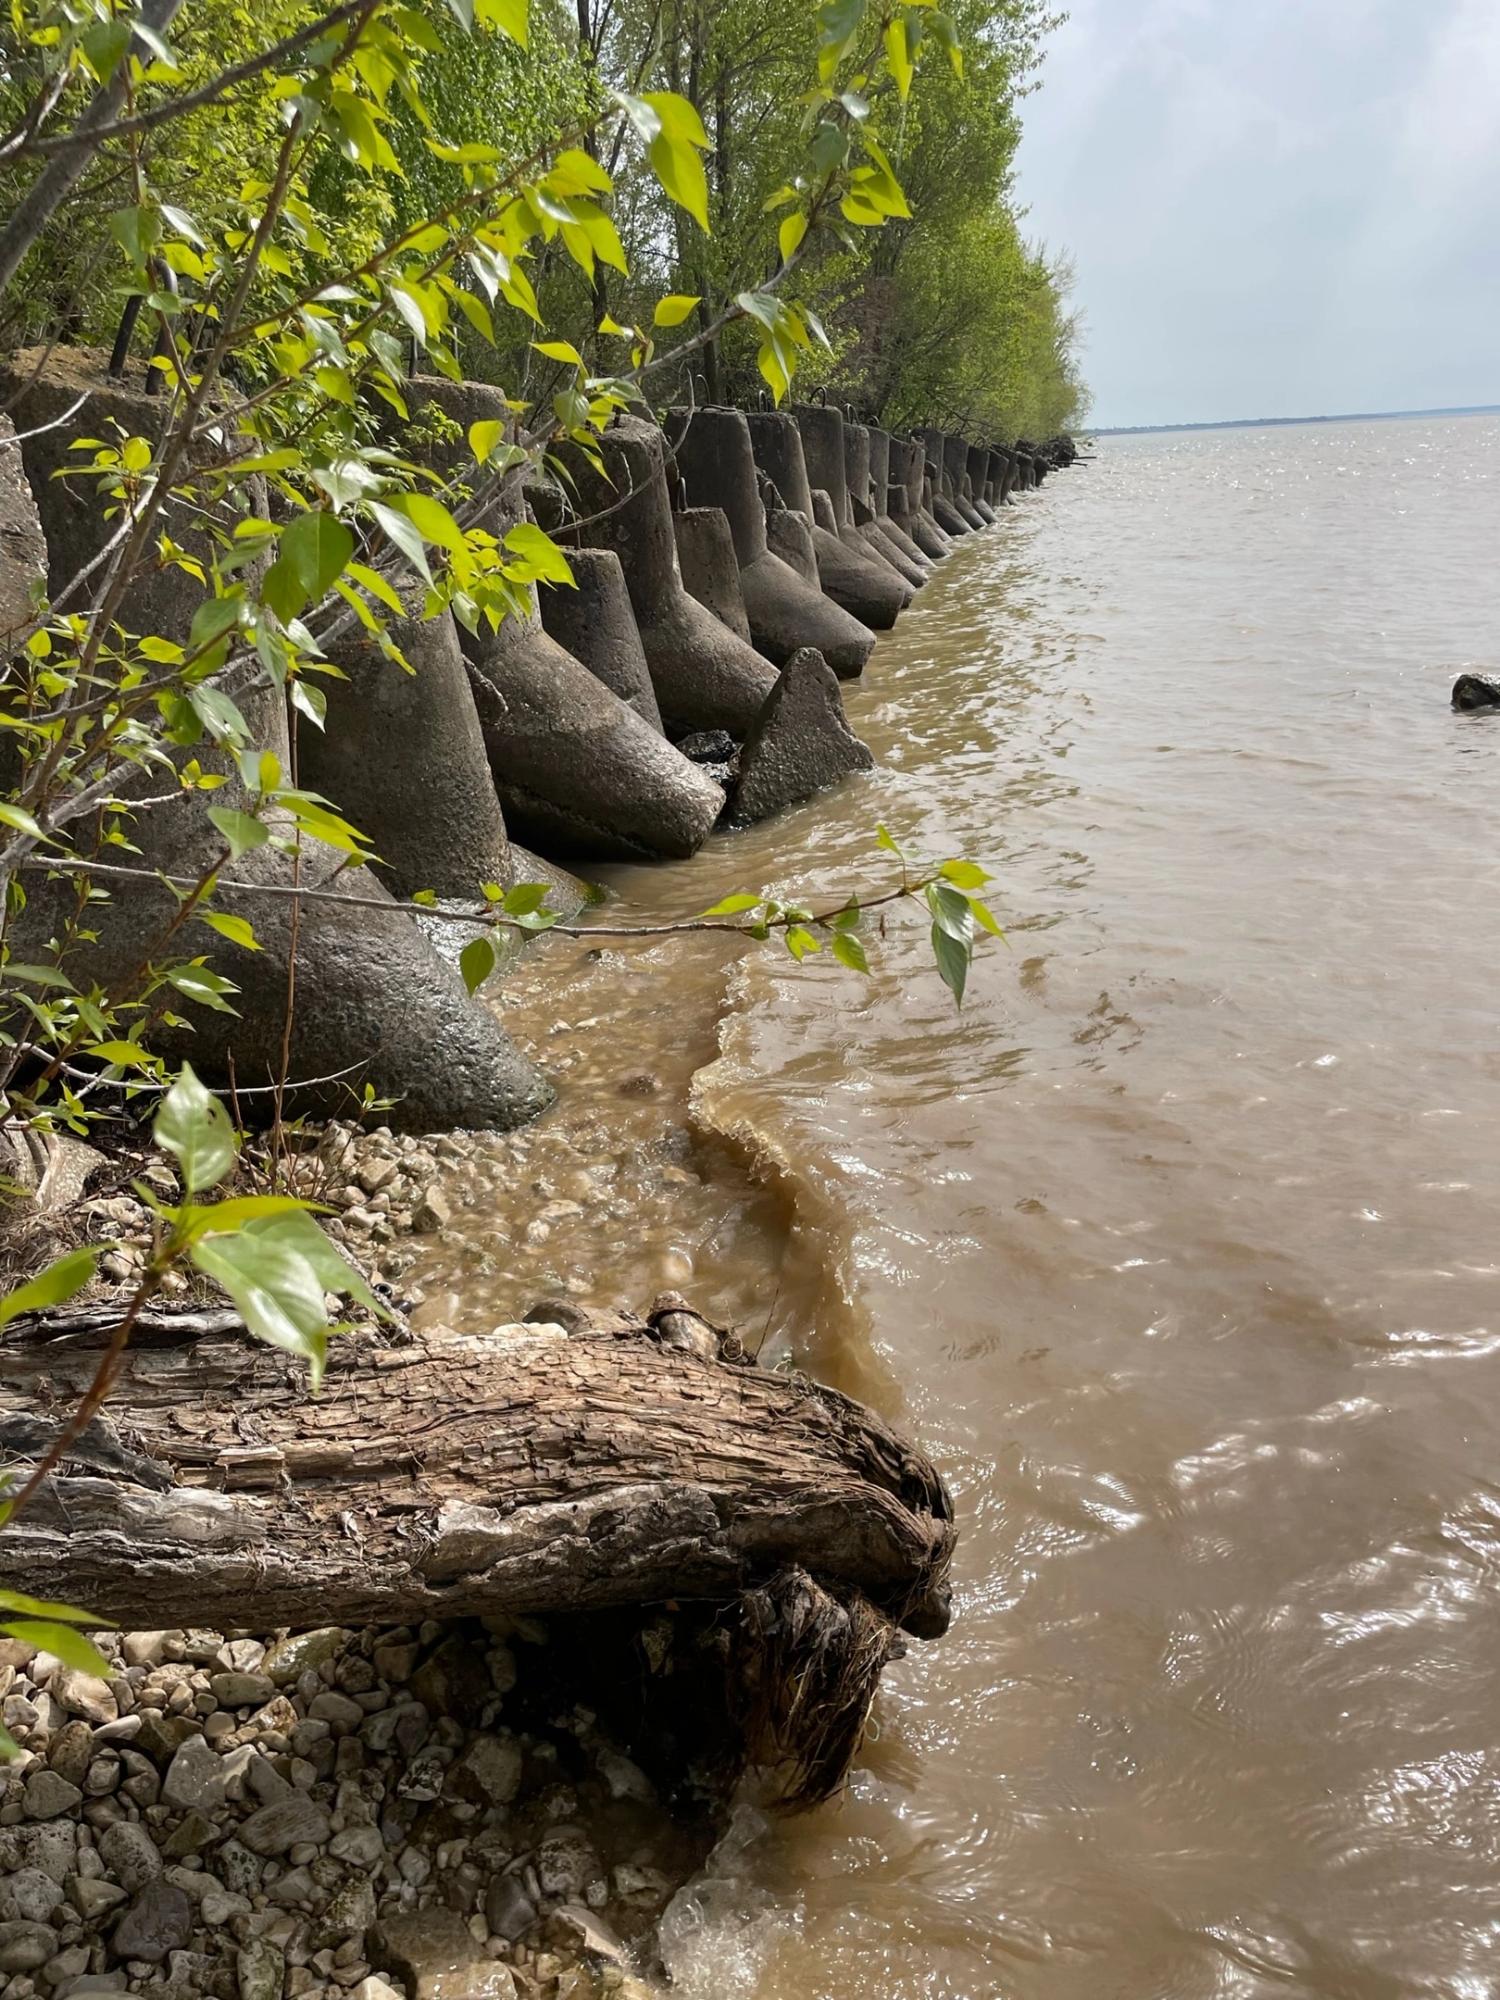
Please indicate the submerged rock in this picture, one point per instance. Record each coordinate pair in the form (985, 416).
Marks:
(1471, 691)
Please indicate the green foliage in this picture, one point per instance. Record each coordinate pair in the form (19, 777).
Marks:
(299, 196)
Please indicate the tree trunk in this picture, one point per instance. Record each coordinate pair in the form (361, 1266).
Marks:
(442, 1474)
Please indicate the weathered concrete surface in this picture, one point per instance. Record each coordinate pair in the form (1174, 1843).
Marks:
(890, 495)
(785, 612)
(580, 774)
(791, 537)
(402, 756)
(909, 498)
(594, 622)
(858, 579)
(705, 555)
(705, 677)
(801, 742)
(38, 390)
(978, 477)
(374, 1003)
(956, 480)
(861, 487)
(938, 494)
(23, 548)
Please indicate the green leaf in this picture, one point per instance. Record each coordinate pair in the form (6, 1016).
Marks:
(848, 950)
(127, 1055)
(61, 1280)
(208, 988)
(71, 1647)
(950, 909)
(22, 821)
(986, 917)
(509, 16)
(312, 554)
(524, 898)
(789, 236)
(237, 929)
(239, 829)
(679, 169)
(275, 1288)
(194, 1127)
(801, 942)
(537, 550)
(430, 518)
(22, 1606)
(965, 874)
(674, 308)
(218, 1218)
(404, 535)
(485, 436)
(476, 962)
(731, 906)
(883, 839)
(899, 57)
(559, 350)
(952, 961)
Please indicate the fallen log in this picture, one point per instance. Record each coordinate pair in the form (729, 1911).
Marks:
(439, 1475)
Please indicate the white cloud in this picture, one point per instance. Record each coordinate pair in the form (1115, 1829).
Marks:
(1275, 208)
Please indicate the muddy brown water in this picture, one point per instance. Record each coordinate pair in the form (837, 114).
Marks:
(1178, 1246)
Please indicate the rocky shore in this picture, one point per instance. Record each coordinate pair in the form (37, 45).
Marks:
(490, 1805)
(381, 1812)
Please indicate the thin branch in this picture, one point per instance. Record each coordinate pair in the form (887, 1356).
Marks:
(178, 107)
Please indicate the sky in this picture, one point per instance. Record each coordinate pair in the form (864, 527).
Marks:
(1274, 207)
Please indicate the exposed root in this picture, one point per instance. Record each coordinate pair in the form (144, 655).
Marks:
(804, 1666)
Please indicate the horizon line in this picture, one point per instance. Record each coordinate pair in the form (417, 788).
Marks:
(1261, 423)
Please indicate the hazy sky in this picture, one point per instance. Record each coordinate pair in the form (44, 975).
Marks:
(1276, 207)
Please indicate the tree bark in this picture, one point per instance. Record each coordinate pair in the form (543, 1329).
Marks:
(444, 1474)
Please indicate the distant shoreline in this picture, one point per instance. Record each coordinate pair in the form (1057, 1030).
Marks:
(1268, 423)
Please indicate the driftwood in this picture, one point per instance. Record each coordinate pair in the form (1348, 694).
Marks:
(529, 1469)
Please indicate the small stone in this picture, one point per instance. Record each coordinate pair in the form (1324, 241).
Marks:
(195, 1778)
(194, 1832)
(52, 1847)
(130, 1855)
(360, 1846)
(352, 1907)
(238, 1869)
(434, 1953)
(292, 1888)
(158, 1921)
(280, 1825)
(25, 1946)
(239, 1690)
(626, 1779)
(579, 1931)
(66, 1966)
(28, 1894)
(375, 1174)
(85, 1695)
(259, 1969)
(219, 1906)
(101, 1777)
(434, 1213)
(71, 1751)
(339, 1711)
(294, 1655)
(92, 1898)
(566, 1863)
(508, 1909)
(494, 1763)
(375, 1988)
(47, 1795)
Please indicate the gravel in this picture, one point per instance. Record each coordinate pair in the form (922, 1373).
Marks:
(388, 1814)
